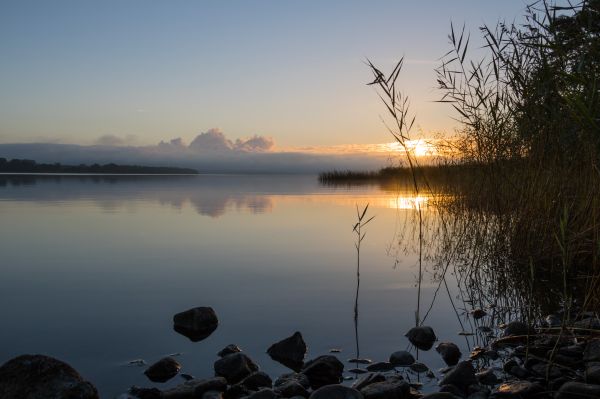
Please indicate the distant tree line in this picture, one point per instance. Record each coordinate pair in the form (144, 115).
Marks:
(30, 166)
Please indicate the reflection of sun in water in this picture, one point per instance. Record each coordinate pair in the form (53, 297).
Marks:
(419, 148)
(407, 202)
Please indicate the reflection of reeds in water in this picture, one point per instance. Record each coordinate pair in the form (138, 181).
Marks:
(358, 229)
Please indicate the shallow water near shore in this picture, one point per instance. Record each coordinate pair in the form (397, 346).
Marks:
(94, 268)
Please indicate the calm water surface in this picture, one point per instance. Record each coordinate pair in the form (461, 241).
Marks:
(93, 269)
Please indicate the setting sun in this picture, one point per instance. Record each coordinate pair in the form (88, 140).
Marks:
(419, 148)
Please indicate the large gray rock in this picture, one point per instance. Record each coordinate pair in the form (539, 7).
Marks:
(449, 352)
(289, 351)
(163, 370)
(392, 388)
(42, 377)
(422, 337)
(323, 370)
(235, 367)
(402, 358)
(197, 323)
(195, 388)
(461, 376)
(336, 392)
(578, 390)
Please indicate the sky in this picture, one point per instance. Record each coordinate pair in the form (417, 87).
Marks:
(132, 72)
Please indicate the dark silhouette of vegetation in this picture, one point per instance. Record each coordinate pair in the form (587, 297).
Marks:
(29, 166)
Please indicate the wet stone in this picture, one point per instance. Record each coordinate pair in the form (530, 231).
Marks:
(422, 337)
(461, 376)
(289, 351)
(291, 388)
(390, 388)
(195, 388)
(367, 380)
(145, 393)
(402, 358)
(516, 328)
(518, 389)
(235, 367)
(263, 394)
(478, 313)
(578, 390)
(419, 367)
(592, 351)
(163, 370)
(228, 350)
(292, 377)
(449, 352)
(257, 380)
(197, 323)
(323, 370)
(487, 377)
(592, 373)
(42, 377)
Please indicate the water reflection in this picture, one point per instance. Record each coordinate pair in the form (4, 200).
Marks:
(212, 196)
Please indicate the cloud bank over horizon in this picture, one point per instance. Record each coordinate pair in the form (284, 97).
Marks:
(208, 152)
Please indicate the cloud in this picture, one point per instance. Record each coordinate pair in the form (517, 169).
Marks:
(212, 140)
(254, 144)
(113, 140)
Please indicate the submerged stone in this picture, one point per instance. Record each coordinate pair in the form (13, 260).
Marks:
(402, 358)
(163, 370)
(449, 352)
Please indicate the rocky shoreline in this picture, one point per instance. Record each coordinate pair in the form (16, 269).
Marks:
(547, 361)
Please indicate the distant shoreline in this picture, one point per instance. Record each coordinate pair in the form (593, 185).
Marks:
(27, 166)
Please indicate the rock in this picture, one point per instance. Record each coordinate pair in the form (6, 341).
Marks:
(592, 373)
(336, 392)
(367, 380)
(478, 313)
(257, 380)
(449, 352)
(461, 376)
(380, 366)
(291, 388)
(518, 389)
(236, 392)
(323, 370)
(42, 377)
(592, 351)
(516, 328)
(392, 388)
(419, 367)
(487, 377)
(295, 377)
(451, 389)
(228, 350)
(422, 337)
(197, 323)
(186, 377)
(546, 371)
(402, 358)
(212, 395)
(145, 393)
(235, 367)
(578, 390)
(552, 320)
(163, 370)
(263, 394)
(290, 351)
(195, 388)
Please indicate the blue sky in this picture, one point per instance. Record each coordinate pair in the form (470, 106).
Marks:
(73, 71)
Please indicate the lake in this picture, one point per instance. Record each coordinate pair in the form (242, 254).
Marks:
(94, 268)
